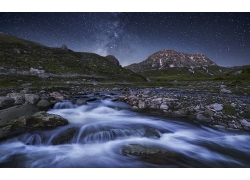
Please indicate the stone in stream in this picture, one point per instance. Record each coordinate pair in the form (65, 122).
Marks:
(153, 155)
(64, 136)
(42, 119)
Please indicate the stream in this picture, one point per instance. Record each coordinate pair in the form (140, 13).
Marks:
(98, 131)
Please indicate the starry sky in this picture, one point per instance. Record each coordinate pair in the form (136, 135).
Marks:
(133, 36)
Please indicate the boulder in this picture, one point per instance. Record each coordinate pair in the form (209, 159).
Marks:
(57, 96)
(64, 136)
(5, 130)
(44, 105)
(153, 155)
(31, 98)
(245, 122)
(202, 118)
(42, 119)
(16, 112)
(217, 107)
(80, 102)
(6, 102)
(18, 97)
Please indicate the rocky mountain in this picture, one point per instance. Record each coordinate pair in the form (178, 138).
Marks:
(113, 59)
(20, 56)
(169, 59)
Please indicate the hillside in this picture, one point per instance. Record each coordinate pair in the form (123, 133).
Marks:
(18, 56)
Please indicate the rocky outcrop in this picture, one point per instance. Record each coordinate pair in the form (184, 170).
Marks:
(113, 59)
(16, 112)
(169, 59)
(42, 119)
(38, 120)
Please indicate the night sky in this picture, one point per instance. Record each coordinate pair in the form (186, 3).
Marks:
(132, 37)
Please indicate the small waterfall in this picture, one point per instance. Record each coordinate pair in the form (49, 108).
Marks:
(97, 133)
(64, 105)
(34, 139)
(112, 134)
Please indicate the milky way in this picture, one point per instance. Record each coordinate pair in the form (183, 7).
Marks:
(132, 37)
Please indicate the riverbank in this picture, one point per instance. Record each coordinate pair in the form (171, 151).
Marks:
(218, 110)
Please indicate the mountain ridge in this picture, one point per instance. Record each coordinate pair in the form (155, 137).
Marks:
(170, 58)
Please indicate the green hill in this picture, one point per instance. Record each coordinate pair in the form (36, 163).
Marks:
(20, 55)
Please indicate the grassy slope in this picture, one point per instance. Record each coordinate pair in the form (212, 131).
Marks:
(16, 53)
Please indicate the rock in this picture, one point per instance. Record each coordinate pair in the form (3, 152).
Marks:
(95, 84)
(164, 107)
(6, 102)
(16, 112)
(149, 154)
(152, 132)
(31, 98)
(245, 122)
(209, 112)
(113, 60)
(202, 118)
(57, 96)
(34, 71)
(225, 91)
(44, 105)
(5, 131)
(141, 105)
(135, 108)
(64, 136)
(18, 97)
(80, 102)
(42, 119)
(217, 107)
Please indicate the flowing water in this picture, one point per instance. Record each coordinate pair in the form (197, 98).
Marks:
(98, 131)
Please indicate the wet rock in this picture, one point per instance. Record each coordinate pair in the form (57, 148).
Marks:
(16, 112)
(42, 119)
(80, 102)
(202, 118)
(64, 136)
(31, 98)
(44, 105)
(149, 154)
(5, 130)
(152, 132)
(6, 102)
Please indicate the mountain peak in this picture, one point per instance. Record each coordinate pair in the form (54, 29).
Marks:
(170, 58)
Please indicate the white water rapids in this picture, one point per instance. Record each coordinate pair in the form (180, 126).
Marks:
(102, 129)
